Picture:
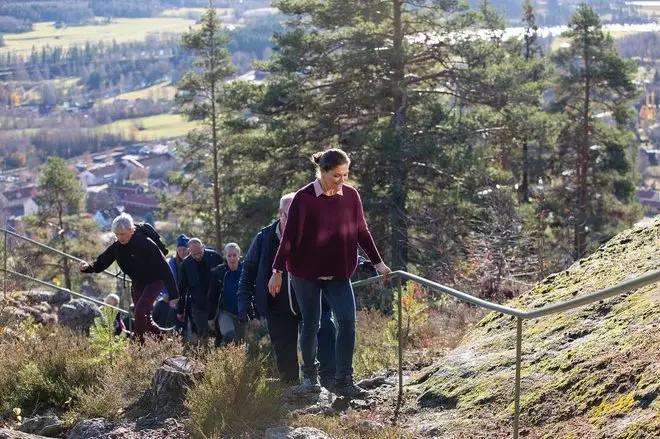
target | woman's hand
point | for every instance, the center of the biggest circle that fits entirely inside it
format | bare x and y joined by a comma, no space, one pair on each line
384,270
275,283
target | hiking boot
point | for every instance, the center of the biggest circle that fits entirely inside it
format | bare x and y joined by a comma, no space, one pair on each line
349,390
328,383
311,385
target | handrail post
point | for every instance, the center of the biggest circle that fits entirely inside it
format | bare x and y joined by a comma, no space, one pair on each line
400,342
516,415
5,255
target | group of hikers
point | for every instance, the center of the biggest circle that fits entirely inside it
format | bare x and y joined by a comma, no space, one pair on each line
296,275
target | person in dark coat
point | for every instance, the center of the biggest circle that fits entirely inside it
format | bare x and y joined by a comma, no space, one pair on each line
194,280
168,315
141,259
281,311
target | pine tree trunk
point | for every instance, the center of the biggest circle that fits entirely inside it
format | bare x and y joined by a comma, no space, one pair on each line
65,261
524,187
172,380
580,238
399,190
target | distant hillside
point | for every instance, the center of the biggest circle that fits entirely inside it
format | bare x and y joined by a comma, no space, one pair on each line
18,15
593,372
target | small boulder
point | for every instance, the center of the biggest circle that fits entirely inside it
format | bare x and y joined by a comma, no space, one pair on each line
48,425
51,297
296,433
78,314
90,428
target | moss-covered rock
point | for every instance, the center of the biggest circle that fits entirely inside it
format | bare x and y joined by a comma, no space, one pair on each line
591,372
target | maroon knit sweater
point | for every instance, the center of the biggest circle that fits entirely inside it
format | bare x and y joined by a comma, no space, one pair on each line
322,235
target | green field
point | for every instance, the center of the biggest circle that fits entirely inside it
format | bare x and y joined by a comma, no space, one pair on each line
196,13
120,30
162,90
141,129
162,126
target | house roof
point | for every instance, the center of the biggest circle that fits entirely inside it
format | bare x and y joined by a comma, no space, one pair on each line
156,159
104,170
642,193
141,201
96,189
20,193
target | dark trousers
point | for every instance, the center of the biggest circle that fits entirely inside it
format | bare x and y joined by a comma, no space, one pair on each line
339,293
200,321
144,301
283,331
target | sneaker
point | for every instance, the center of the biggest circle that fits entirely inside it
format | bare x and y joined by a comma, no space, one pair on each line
311,385
349,390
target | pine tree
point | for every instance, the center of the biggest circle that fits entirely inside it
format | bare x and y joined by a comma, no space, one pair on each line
60,194
593,91
198,93
390,83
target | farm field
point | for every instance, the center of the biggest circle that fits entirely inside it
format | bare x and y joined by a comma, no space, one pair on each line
142,129
162,90
120,30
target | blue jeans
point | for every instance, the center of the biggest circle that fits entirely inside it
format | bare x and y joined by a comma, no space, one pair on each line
339,292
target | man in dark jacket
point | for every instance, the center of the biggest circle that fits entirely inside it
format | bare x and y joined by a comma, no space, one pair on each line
281,311
194,279
141,259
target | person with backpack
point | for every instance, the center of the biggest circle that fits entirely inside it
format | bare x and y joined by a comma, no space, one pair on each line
140,258
194,280
319,248
175,261
281,310
223,298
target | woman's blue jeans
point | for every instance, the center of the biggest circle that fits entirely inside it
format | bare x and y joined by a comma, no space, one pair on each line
339,292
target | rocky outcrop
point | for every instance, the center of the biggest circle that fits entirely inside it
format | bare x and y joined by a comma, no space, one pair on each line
13,434
592,372
143,428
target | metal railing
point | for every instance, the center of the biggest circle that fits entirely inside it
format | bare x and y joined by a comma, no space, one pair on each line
399,277
6,233
520,315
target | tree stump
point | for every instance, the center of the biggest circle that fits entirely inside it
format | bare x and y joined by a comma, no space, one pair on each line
172,380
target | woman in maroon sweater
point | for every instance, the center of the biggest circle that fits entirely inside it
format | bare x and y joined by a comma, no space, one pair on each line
319,248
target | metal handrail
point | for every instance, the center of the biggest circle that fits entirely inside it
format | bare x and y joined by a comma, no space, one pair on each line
4,268
521,315
66,290
54,250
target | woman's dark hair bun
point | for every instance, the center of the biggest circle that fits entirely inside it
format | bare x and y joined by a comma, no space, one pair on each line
316,157
330,159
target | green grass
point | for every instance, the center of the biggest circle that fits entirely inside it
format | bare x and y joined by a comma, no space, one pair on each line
194,13
143,129
161,126
161,90
120,30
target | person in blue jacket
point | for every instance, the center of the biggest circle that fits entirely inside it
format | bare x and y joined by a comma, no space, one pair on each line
223,300
281,311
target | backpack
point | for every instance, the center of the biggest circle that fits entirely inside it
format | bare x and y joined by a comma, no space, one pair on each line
147,230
